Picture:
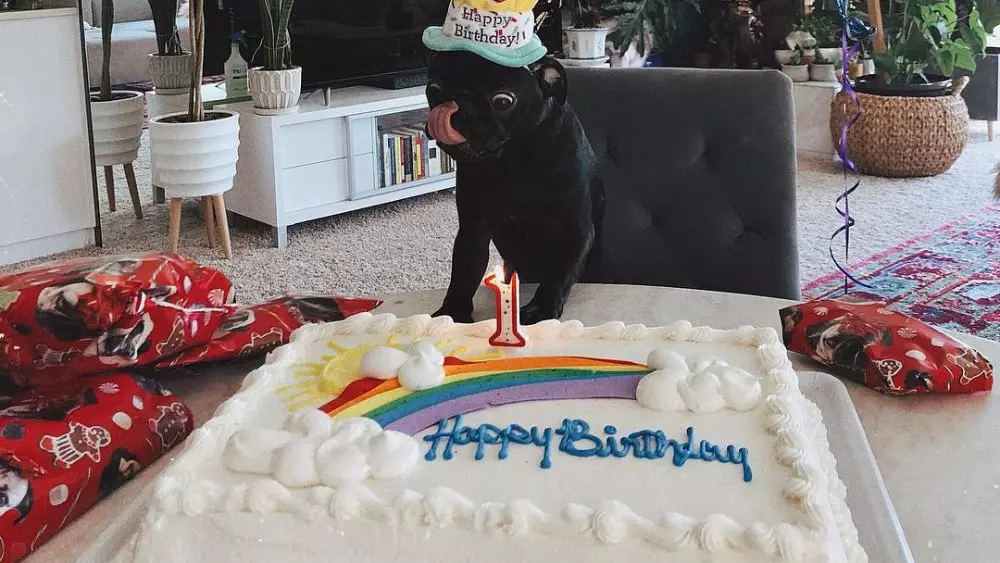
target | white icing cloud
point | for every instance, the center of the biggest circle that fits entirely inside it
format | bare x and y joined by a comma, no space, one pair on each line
419,367
425,348
421,372
382,362
697,384
305,454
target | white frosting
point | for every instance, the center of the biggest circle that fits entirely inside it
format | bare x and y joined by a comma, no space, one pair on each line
427,349
700,385
382,362
371,481
313,450
419,367
391,454
421,372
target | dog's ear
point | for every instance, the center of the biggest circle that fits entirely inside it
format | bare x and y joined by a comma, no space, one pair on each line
24,507
552,79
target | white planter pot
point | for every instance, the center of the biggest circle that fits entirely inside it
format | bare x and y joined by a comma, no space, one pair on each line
587,43
171,74
867,66
798,73
783,56
833,54
117,127
822,72
275,91
195,159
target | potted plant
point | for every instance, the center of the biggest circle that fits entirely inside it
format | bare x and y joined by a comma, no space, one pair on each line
116,116
194,153
927,42
169,66
275,87
824,27
912,120
796,68
666,32
587,38
798,40
822,69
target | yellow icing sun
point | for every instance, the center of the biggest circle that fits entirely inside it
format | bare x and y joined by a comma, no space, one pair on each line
520,6
323,380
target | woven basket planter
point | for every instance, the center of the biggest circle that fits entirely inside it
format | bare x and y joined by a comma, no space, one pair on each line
903,137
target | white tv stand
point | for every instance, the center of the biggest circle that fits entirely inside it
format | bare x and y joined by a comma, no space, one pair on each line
321,160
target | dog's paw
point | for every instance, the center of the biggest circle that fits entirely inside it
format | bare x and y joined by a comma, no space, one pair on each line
533,313
457,316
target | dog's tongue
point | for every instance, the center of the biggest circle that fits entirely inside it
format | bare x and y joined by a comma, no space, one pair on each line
439,124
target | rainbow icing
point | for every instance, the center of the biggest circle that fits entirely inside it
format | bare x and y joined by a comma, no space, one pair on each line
471,386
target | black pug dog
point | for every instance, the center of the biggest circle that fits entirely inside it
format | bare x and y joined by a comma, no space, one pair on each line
528,178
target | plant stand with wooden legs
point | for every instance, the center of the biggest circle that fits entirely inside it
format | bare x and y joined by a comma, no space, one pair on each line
133,188
213,209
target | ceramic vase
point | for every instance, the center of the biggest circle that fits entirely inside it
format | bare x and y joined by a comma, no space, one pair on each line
195,159
275,91
587,43
171,74
798,73
117,127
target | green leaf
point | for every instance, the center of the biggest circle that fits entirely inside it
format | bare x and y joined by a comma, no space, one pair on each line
885,63
974,37
944,60
963,57
989,14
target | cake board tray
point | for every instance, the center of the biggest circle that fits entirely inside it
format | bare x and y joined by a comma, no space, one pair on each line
879,529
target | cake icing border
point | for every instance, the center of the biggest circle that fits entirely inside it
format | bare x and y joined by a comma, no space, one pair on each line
793,420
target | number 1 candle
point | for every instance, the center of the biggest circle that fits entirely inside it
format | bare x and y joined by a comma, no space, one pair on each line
509,331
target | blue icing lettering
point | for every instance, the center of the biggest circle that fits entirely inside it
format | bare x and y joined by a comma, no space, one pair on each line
577,440
573,431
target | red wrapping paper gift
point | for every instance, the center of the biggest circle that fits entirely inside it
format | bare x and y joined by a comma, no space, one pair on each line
64,447
884,349
259,328
95,315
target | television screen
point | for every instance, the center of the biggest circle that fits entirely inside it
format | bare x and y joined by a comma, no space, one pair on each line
346,42
343,40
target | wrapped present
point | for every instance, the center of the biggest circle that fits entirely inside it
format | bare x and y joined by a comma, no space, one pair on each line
259,328
884,349
94,315
64,447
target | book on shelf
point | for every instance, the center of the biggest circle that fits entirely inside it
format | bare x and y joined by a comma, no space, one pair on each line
408,154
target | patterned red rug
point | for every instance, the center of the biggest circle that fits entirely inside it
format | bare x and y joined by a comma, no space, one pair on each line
949,277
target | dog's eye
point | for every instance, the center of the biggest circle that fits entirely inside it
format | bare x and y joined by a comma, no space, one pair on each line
502,101
4,501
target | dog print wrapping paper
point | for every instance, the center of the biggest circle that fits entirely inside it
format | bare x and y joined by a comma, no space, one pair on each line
94,315
66,446
259,328
883,349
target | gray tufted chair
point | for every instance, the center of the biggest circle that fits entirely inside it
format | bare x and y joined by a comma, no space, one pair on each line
699,170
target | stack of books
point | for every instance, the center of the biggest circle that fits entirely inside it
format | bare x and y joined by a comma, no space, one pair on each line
408,155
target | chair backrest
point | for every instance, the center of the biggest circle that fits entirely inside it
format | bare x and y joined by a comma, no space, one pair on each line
699,170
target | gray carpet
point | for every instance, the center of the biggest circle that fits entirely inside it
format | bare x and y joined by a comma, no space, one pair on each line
407,245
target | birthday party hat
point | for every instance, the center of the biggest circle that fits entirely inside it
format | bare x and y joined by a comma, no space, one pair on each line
502,31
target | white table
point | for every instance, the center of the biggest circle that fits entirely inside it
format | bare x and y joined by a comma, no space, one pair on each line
936,453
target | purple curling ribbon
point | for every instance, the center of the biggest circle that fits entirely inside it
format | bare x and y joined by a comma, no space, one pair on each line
852,32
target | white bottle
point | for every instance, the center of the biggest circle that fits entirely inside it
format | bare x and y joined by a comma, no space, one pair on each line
236,74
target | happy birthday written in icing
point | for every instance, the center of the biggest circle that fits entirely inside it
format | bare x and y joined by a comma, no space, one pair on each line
498,21
577,440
